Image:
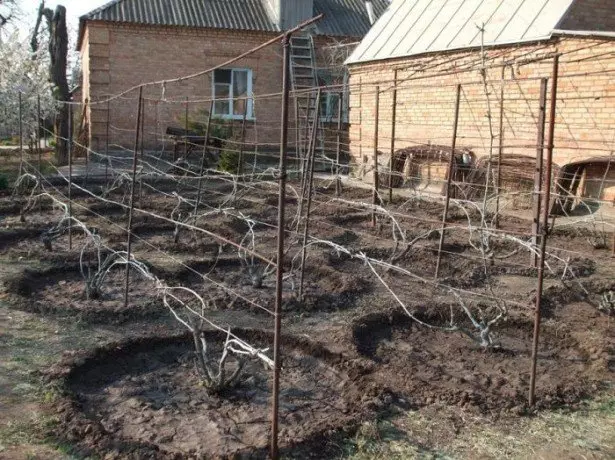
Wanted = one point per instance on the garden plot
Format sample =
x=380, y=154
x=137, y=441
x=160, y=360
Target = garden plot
x=367, y=291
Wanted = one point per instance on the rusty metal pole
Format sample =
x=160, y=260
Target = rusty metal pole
x=87, y=153
x=141, y=152
x=306, y=155
x=203, y=159
x=545, y=228
x=132, y=197
x=20, y=134
x=38, y=139
x=311, y=147
x=107, y=159
x=280, y=256
x=500, y=153
x=310, y=182
x=243, y=139
x=393, y=133
x=70, y=177
x=338, y=144
x=540, y=142
x=186, y=126
x=449, y=181
x=376, y=198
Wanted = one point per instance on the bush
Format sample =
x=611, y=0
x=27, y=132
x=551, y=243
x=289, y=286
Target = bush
x=229, y=161
x=219, y=128
x=10, y=140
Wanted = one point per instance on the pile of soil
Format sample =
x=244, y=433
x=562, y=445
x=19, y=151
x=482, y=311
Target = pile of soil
x=145, y=397
x=60, y=289
x=428, y=366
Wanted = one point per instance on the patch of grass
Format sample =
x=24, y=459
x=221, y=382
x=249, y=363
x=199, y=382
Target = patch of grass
x=449, y=432
x=383, y=440
x=30, y=431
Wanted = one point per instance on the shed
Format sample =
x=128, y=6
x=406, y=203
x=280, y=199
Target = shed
x=499, y=51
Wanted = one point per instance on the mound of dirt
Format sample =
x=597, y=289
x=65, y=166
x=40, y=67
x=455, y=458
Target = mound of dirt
x=60, y=290
x=143, y=399
x=429, y=366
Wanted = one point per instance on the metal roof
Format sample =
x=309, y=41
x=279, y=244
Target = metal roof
x=342, y=17
x=411, y=27
x=223, y=14
x=346, y=17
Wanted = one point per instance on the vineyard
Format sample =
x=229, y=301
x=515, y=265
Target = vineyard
x=217, y=299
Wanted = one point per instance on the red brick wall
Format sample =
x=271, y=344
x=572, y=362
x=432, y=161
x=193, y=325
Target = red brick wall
x=426, y=92
x=117, y=57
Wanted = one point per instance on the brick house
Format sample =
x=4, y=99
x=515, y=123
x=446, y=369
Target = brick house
x=424, y=48
x=128, y=42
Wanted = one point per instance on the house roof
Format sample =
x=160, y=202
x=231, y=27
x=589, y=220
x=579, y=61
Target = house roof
x=413, y=27
x=342, y=17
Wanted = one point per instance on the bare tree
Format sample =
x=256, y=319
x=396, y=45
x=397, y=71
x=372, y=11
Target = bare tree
x=8, y=9
x=58, y=53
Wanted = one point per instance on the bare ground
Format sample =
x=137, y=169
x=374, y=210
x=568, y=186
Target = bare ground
x=371, y=383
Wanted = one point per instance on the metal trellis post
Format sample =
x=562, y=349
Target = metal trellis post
x=132, y=197
x=70, y=177
x=280, y=251
x=393, y=133
x=545, y=229
x=449, y=180
x=310, y=181
x=375, y=197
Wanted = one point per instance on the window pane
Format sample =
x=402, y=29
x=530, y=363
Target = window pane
x=222, y=107
x=334, y=100
x=240, y=89
x=222, y=76
x=221, y=95
x=323, y=106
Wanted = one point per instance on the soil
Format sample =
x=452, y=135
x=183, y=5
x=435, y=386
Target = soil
x=60, y=290
x=145, y=397
x=350, y=353
x=426, y=366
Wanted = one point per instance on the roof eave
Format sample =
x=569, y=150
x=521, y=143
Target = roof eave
x=350, y=62
x=584, y=33
x=81, y=32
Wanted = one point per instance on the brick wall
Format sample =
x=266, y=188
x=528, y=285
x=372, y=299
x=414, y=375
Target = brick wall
x=426, y=85
x=117, y=57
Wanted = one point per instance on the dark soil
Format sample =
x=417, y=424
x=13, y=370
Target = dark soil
x=427, y=366
x=144, y=399
x=60, y=290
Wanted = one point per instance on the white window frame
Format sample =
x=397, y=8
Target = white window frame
x=231, y=99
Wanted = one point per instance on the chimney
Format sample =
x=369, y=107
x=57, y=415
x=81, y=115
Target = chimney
x=289, y=13
x=369, y=6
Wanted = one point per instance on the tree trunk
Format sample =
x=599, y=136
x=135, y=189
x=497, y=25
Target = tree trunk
x=58, y=52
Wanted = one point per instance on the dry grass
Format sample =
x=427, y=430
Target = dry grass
x=445, y=432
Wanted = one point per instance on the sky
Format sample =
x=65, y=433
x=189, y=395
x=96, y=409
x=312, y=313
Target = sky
x=74, y=9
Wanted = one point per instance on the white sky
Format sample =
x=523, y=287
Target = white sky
x=74, y=9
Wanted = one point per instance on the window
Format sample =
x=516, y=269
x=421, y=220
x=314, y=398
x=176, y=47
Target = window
x=230, y=88
x=330, y=99
x=329, y=107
